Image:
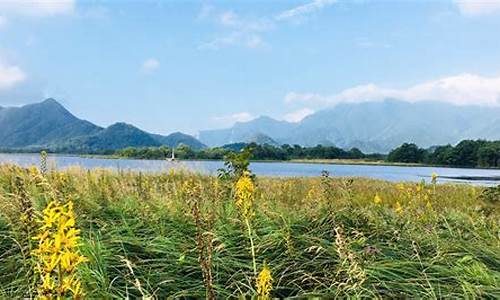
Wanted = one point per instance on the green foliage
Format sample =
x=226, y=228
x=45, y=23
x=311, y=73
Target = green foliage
x=491, y=194
x=320, y=237
x=236, y=164
x=467, y=153
x=40, y=124
x=407, y=153
x=259, y=152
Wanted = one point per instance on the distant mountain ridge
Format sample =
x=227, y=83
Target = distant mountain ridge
x=40, y=124
x=247, y=131
x=49, y=125
x=372, y=126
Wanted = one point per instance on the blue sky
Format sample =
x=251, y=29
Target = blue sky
x=169, y=66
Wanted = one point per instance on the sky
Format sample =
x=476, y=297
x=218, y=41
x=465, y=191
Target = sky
x=169, y=66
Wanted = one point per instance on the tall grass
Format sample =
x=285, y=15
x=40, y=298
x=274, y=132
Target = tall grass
x=164, y=235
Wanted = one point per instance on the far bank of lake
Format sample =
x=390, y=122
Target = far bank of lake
x=393, y=173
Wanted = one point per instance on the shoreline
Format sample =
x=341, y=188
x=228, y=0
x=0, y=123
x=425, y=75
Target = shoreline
x=352, y=162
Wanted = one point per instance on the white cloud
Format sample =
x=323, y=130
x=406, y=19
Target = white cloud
x=303, y=10
x=298, y=115
x=233, y=118
x=463, y=89
x=150, y=65
x=238, y=32
x=10, y=76
x=473, y=8
x=232, y=20
x=249, y=32
x=37, y=7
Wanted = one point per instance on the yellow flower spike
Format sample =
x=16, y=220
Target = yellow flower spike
x=57, y=253
x=377, y=200
x=398, y=208
x=264, y=283
x=244, y=195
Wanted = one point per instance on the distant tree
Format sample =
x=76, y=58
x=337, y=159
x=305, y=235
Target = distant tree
x=184, y=152
x=489, y=155
x=355, y=153
x=236, y=164
x=407, y=153
x=442, y=155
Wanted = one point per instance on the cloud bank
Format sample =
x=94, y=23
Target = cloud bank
x=298, y=115
x=233, y=118
x=463, y=89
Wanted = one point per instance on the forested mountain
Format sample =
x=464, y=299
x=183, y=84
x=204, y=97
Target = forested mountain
x=41, y=124
x=48, y=125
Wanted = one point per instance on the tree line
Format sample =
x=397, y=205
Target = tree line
x=467, y=153
x=259, y=152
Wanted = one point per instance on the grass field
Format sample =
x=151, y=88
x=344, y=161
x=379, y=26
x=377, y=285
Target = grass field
x=182, y=235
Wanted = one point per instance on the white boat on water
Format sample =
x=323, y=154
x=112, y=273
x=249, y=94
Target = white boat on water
x=173, y=156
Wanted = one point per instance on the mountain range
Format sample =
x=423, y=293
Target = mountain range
x=369, y=126
x=49, y=125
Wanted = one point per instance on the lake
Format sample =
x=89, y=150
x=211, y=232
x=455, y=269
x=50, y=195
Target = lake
x=284, y=169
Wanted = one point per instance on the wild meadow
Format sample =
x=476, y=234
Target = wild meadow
x=104, y=234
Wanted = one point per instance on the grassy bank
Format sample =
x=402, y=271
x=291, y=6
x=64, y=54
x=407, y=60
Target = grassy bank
x=356, y=162
x=157, y=235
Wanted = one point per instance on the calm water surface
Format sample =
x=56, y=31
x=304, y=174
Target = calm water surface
x=391, y=173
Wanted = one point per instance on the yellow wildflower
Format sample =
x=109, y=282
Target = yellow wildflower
x=434, y=178
x=244, y=189
x=377, y=200
x=428, y=205
x=244, y=195
x=398, y=209
x=264, y=283
x=57, y=252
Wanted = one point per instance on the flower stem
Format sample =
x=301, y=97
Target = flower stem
x=252, y=248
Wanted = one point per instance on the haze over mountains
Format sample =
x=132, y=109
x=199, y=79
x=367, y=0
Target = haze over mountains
x=370, y=126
